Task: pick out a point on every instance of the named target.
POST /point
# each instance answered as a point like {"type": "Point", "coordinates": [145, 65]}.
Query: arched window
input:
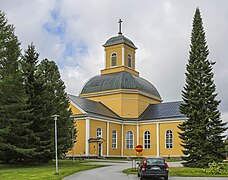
{"type": "Point", "coordinates": [113, 59]}
{"type": "Point", "coordinates": [147, 140]}
{"type": "Point", "coordinates": [99, 132]}
{"type": "Point", "coordinates": [114, 139]}
{"type": "Point", "coordinates": [129, 61]}
{"type": "Point", "coordinates": [169, 139]}
{"type": "Point", "coordinates": [129, 140]}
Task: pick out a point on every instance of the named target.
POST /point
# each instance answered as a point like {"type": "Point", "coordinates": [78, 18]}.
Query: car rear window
{"type": "Point", "coordinates": [155, 161]}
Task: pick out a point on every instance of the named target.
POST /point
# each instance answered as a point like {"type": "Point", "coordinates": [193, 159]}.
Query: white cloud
{"type": "Point", "coordinates": [160, 29]}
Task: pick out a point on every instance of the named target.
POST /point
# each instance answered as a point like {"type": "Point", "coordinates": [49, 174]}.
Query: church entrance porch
{"type": "Point", "coordinates": [97, 145]}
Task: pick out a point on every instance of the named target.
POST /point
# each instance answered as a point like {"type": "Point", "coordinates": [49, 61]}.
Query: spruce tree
{"type": "Point", "coordinates": [201, 134]}
{"type": "Point", "coordinates": [29, 65]}
{"type": "Point", "coordinates": [14, 133]}
{"type": "Point", "coordinates": [54, 101]}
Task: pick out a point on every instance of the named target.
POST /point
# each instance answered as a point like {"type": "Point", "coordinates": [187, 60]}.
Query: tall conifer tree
{"type": "Point", "coordinates": [202, 132]}
{"type": "Point", "coordinates": [54, 101]}
{"type": "Point", "coordinates": [29, 64]}
{"type": "Point", "coordinates": [14, 132]}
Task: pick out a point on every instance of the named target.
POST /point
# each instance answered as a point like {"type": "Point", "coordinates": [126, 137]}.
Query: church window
{"type": "Point", "coordinates": [99, 132]}
{"type": "Point", "coordinates": [129, 140]}
{"type": "Point", "coordinates": [114, 139]}
{"type": "Point", "coordinates": [147, 140]}
{"type": "Point", "coordinates": [169, 139]}
{"type": "Point", "coordinates": [113, 59]}
{"type": "Point", "coordinates": [129, 61]}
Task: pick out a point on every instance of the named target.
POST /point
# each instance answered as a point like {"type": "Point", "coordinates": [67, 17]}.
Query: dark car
{"type": "Point", "coordinates": [153, 167]}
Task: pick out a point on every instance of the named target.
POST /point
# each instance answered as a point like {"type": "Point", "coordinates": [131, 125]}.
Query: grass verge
{"type": "Point", "coordinates": [182, 172]}
{"type": "Point", "coordinates": [43, 171]}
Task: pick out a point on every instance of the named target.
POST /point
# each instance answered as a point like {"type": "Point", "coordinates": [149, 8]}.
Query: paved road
{"type": "Point", "coordinates": [114, 172]}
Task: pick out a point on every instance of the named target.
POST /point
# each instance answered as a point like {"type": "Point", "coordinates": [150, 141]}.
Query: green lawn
{"type": "Point", "coordinates": [183, 171]}
{"type": "Point", "coordinates": [44, 171]}
{"type": "Point", "coordinates": [173, 160]}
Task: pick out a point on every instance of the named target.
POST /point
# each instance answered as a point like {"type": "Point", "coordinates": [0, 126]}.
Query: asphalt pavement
{"type": "Point", "coordinates": [114, 172]}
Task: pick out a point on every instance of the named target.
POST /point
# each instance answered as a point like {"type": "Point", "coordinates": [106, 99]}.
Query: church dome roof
{"type": "Point", "coordinates": [120, 39]}
{"type": "Point", "coordinates": [120, 80]}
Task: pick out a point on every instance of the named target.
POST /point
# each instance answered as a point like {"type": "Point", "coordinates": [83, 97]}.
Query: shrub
{"type": "Point", "coordinates": [217, 168]}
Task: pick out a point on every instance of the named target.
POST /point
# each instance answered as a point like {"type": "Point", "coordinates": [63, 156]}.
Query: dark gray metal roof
{"type": "Point", "coordinates": [162, 111]}
{"type": "Point", "coordinates": [119, 40]}
{"type": "Point", "coordinates": [120, 80]}
{"type": "Point", "coordinates": [93, 107]}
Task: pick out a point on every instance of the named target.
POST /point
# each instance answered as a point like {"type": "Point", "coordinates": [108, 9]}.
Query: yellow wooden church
{"type": "Point", "coordinates": [118, 110]}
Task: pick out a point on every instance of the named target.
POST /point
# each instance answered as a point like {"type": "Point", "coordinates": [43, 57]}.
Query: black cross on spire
{"type": "Point", "coordinates": [120, 21]}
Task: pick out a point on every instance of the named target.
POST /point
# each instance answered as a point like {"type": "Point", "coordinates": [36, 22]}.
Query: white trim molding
{"type": "Point", "coordinates": [105, 63]}
{"type": "Point", "coordinates": [137, 134]}
{"type": "Point", "coordinates": [87, 136]}
{"type": "Point", "coordinates": [157, 139]}
{"type": "Point", "coordinates": [122, 140]}
{"type": "Point", "coordinates": [107, 140]}
{"type": "Point", "coordinates": [123, 56]}
{"type": "Point", "coordinates": [78, 107]}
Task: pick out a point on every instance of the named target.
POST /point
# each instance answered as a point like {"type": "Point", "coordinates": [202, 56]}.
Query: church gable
{"type": "Point", "coordinates": [74, 109]}
{"type": "Point", "coordinates": [92, 108]}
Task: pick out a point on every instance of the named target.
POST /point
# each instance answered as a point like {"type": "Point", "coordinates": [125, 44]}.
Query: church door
{"type": "Point", "coordinates": [99, 149]}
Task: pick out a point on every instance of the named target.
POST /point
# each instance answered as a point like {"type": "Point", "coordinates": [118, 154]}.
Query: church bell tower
{"type": "Point", "coordinates": [119, 54]}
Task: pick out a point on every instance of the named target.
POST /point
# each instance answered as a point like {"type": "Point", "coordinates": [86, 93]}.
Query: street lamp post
{"type": "Point", "coordinates": [56, 149]}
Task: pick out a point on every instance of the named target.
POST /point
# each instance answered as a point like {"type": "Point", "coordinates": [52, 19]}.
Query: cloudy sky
{"type": "Point", "coordinates": [72, 32]}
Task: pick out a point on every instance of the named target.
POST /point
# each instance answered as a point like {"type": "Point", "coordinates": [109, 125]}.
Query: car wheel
{"type": "Point", "coordinates": [166, 178]}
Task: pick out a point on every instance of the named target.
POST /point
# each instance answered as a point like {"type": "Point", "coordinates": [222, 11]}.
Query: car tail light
{"type": "Point", "coordinates": [166, 166]}
{"type": "Point", "coordinates": [144, 166]}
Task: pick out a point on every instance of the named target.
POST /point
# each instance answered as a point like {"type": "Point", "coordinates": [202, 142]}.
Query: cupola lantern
{"type": "Point", "coordinates": [119, 54]}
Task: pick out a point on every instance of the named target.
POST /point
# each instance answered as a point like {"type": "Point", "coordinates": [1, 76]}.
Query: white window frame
{"type": "Point", "coordinates": [111, 59]}
{"type": "Point", "coordinates": [129, 57]}
{"type": "Point", "coordinates": [128, 144]}
{"type": "Point", "coordinates": [144, 140]}
{"type": "Point", "coordinates": [168, 139]}
{"type": "Point", "coordinates": [114, 140]}
{"type": "Point", "coordinates": [99, 132]}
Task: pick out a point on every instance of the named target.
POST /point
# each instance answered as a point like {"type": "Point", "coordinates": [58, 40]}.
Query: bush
{"type": "Point", "coordinates": [217, 168]}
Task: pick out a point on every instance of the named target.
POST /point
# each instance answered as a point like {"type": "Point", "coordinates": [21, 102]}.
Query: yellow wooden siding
{"type": "Point", "coordinates": [130, 152]}
{"type": "Point", "coordinates": [79, 146]}
{"type": "Point", "coordinates": [153, 139]}
{"type": "Point", "coordinates": [131, 51]}
{"type": "Point", "coordinates": [125, 105]}
{"type": "Point", "coordinates": [117, 127]}
{"type": "Point", "coordinates": [74, 110]}
{"type": "Point", "coordinates": [94, 124]}
{"type": "Point", "coordinates": [177, 148]}
{"type": "Point", "coordinates": [114, 49]}
{"type": "Point", "coordinates": [112, 101]}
